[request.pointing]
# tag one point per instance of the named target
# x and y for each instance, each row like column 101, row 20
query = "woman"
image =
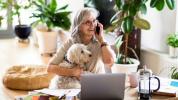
column 83, row 31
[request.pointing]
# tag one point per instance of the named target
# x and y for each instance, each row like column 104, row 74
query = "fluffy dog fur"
column 77, row 55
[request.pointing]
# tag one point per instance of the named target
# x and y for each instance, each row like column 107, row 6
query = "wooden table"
column 131, row 94
column 14, row 53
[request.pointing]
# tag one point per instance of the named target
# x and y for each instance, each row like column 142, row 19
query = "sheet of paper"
column 60, row 92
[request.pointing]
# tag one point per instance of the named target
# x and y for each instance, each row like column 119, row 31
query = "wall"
column 160, row 63
column 74, row 6
column 162, row 23
column 154, row 51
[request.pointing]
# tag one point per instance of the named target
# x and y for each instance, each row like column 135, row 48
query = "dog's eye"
column 82, row 51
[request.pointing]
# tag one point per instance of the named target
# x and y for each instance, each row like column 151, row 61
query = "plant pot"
column 173, row 52
column 47, row 42
column 22, row 31
column 126, row 68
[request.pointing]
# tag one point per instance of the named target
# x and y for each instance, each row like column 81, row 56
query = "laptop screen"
column 103, row 86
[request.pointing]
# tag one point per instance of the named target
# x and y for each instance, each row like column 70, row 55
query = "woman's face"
column 87, row 28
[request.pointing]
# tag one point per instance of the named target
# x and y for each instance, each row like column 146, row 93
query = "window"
column 6, row 27
column 162, row 24
column 6, row 30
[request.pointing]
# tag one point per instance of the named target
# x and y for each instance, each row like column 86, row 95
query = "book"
column 168, row 87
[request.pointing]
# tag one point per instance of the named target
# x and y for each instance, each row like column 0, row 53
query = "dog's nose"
column 90, row 55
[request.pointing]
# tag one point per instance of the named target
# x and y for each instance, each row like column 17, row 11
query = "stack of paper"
column 60, row 92
column 43, row 94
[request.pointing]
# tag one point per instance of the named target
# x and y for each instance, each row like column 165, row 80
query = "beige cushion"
column 27, row 77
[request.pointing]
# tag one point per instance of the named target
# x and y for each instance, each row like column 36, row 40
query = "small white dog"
column 77, row 55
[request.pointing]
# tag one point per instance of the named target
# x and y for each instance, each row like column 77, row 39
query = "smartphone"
column 97, row 29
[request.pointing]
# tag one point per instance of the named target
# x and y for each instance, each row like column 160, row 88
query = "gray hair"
column 79, row 17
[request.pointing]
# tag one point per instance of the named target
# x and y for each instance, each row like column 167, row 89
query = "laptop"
column 102, row 86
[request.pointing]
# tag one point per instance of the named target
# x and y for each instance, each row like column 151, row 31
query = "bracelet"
column 103, row 44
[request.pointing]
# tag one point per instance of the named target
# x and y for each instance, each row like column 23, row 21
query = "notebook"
column 103, row 86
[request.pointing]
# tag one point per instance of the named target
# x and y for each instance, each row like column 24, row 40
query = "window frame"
column 7, row 33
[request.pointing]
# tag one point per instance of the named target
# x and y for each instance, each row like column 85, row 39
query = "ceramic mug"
column 133, row 79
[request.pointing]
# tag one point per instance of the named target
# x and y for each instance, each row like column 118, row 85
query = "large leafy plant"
column 172, row 40
column 49, row 14
column 16, row 6
column 128, row 17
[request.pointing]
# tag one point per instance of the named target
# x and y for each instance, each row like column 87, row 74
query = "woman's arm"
column 107, row 54
column 62, row 71
column 53, row 65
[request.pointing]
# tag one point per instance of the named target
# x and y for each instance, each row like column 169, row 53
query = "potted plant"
column 21, row 30
column 50, row 15
column 127, row 18
column 119, row 66
column 172, row 41
column 1, row 18
column 174, row 72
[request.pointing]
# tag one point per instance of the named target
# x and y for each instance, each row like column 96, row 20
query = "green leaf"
column 170, row 4
column 176, row 75
column 119, row 4
column 115, row 16
column 114, row 22
column 126, row 7
column 132, row 10
column 160, row 5
column 153, row 3
column 172, row 40
column 41, row 1
column 143, row 9
column 118, row 41
column 144, row 1
column 64, row 7
column 118, row 61
column 127, row 24
column 142, row 24
column 53, row 5
column 34, row 24
column 48, row 14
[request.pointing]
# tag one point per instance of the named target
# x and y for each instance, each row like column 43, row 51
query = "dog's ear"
column 73, row 56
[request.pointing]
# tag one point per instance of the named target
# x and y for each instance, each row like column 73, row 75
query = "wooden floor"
column 14, row 53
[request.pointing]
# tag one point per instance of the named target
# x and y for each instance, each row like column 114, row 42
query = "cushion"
column 27, row 77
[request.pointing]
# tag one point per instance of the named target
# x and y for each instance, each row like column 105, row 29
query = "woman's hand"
column 77, row 71
column 99, row 35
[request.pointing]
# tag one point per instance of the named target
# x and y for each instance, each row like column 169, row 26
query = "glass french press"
column 145, row 77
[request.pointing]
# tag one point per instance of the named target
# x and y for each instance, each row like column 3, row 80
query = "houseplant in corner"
column 174, row 72
column 50, row 15
column 21, row 30
column 172, row 41
column 127, row 18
